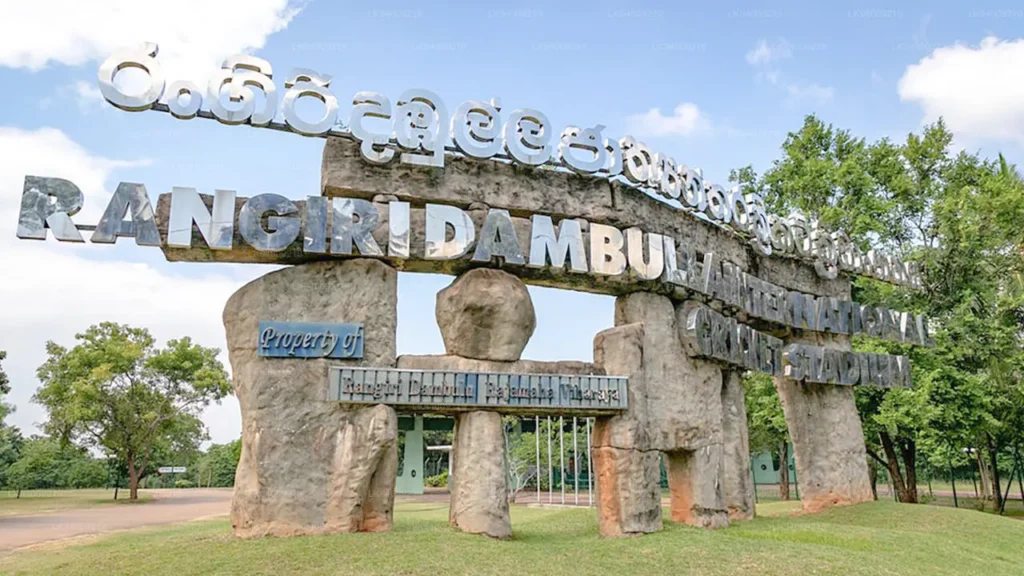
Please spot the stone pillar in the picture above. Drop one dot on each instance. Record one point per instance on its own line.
(484, 314)
(828, 442)
(674, 407)
(307, 465)
(477, 483)
(625, 465)
(739, 484)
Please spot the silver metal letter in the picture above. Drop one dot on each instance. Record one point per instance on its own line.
(476, 128)
(190, 108)
(718, 205)
(314, 239)
(441, 217)
(694, 195)
(528, 137)
(420, 122)
(636, 161)
(398, 229)
(240, 72)
(187, 207)
(498, 238)
(132, 199)
(49, 203)
(280, 232)
(588, 140)
(374, 145)
(354, 220)
(606, 257)
(302, 83)
(545, 244)
(142, 57)
(655, 264)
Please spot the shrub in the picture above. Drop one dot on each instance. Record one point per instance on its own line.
(184, 484)
(439, 481)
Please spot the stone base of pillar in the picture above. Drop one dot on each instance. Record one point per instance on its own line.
(628, 495)
(696, 493)
(478, 487)
(828, 444)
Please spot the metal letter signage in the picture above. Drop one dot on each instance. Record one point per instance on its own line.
(310, 340)
(449, 392)
(419, 132)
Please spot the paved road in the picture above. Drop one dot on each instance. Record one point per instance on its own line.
(166, 507)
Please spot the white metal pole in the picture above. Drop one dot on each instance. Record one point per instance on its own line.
(536, 436)
(590, 468)
(551, 468)
(561, 456)
(575, 463)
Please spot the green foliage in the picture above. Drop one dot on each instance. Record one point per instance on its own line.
(962, 219)
(438, 480)
(217, 466)
(46, 463)
(5, 388)
(523, 450)
(182, 483)
(116, 390)
(10, 437)
(765, 420)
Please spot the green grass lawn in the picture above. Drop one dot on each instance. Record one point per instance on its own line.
(40, 501)
(874, 538)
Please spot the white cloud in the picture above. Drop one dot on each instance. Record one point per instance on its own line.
(53, 290)
(88, 95)
(686, 120)
(49, 152)
(802, 94)
(979, 91)
(765, 53)
(194, 35)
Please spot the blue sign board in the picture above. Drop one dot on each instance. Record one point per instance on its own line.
(309, 340)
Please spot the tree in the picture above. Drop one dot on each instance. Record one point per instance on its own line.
(117, 391)
(217, 466)
(46, 463)
(766, 423)
(518, 466)
(10, 437)
(959, 217)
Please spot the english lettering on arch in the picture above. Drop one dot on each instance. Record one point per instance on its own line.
(309, 340)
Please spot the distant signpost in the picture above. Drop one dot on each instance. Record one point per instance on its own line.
(171, 469)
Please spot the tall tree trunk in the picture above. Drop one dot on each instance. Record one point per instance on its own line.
(985, 475)
(873, 476)
(993, 450)
(1020, 471)
(133, 481)
(908, 450)
(892, 463)
(784, 471)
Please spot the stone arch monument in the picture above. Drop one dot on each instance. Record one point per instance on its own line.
(707, 286)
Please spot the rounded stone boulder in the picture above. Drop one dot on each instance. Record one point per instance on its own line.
(486, 314)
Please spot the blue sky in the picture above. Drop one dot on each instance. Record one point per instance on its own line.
(714, 84)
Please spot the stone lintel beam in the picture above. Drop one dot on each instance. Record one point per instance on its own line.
(524, 191)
